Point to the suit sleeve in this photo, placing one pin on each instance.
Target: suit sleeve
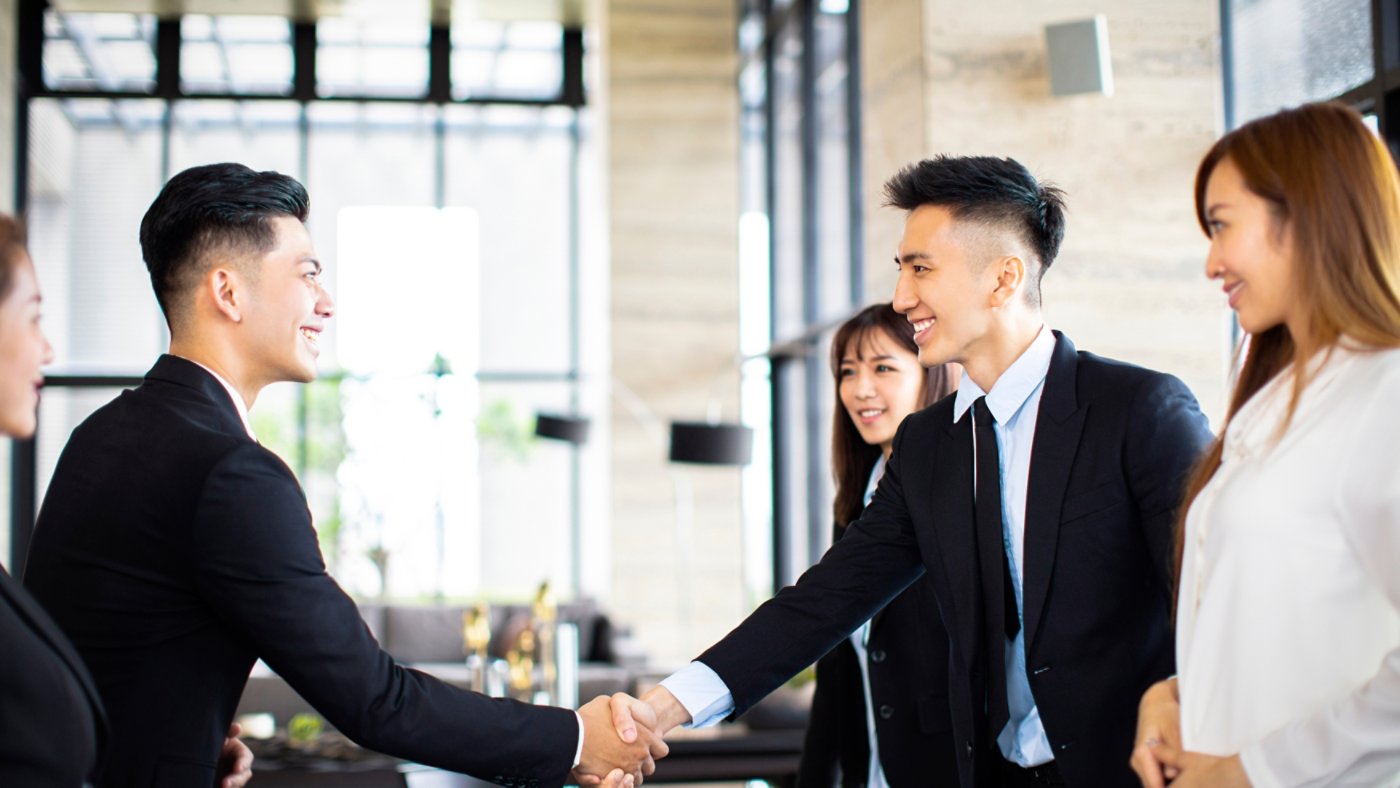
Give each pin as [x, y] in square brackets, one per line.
[876, 559]
[1166, 436]
[258, 565]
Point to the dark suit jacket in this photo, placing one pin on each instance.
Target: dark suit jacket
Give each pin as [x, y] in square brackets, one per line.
[907, 654]
[51, 722]
[175, 551]
[1113, 446]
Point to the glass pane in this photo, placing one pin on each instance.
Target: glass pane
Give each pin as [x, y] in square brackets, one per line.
[391, 146]
[100, 51]
[95, 166]
[235, 54]
[509, 60]
[261, 134]
[1287, 52]
[357, 57]
[789, 288]
[833, 182]
[511, 166]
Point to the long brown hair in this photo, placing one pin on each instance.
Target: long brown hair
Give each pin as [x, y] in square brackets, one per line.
[852, 458]
[1333, 185]
[12, 250]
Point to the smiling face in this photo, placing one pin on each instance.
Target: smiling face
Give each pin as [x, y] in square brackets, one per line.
[1250, 253]
[286, 309]
[879, 384]
[23, 351]
[944, 286]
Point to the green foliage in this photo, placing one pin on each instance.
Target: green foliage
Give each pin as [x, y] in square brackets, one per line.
[510, 433]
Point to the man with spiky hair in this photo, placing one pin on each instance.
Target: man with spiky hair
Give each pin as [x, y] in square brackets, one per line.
[1040, 499]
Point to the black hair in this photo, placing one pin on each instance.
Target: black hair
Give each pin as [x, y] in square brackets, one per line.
[987, 190]
[210, 207]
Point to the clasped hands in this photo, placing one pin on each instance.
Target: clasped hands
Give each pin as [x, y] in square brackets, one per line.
[622, 737]
[1158, 757]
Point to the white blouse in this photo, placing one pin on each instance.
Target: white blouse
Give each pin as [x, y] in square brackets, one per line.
[1288, 621]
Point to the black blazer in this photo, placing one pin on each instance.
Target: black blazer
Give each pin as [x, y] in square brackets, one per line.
[52, 725]
[907, 654]
[1114, 444]
[175, 551]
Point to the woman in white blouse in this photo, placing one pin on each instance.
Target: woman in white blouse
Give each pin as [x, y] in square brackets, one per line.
[1288, 605]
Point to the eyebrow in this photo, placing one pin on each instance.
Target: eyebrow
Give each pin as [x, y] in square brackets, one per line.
[911, 257]
[313, 261]
[849, 360]
[1210, 210]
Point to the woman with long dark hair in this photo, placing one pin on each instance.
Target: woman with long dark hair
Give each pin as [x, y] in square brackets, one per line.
[880, 714]
[1288, 602]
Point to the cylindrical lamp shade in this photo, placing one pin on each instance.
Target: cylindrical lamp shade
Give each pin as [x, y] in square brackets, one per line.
[711, 444]
[573, 429]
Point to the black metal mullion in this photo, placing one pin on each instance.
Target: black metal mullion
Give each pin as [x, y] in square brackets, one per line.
[571, 92]
[783, 571]
[817, 524]
[855, 168]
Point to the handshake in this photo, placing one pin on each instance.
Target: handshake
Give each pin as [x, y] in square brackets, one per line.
[622, 737]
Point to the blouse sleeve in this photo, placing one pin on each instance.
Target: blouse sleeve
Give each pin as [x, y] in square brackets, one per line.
[1356, 739]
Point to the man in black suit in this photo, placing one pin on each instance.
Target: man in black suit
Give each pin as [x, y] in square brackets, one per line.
[175, 550]
[1048, 535]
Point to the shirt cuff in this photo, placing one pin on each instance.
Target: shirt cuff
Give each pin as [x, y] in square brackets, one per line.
[578, 753]
[702, 692]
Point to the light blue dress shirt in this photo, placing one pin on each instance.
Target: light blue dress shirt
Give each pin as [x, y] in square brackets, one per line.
[1014, 402]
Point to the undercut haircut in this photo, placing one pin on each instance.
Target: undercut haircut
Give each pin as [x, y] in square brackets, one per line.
[990, 192]
[209, 209]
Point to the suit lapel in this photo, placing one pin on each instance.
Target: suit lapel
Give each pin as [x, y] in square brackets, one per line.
[953, 527]
[26, 608]
[1057, 431]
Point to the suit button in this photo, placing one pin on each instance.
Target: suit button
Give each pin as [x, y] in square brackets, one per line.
[969, 749]
[886, 712]
[878, 655]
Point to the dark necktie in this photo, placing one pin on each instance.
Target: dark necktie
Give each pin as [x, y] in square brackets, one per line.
[989, 517]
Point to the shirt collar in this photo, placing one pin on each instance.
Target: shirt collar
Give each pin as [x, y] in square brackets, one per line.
[233, 395]
[1014, 386]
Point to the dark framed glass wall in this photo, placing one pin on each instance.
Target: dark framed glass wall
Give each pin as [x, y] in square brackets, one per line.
[468, 132]
[805, 53]
[1280, 53]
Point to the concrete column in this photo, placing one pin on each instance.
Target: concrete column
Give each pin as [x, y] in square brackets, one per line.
[670, 120]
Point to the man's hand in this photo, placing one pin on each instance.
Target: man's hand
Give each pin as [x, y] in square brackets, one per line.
[605, 750]
[235, 760]
[665, 712]
[1196, 770]
[1159, 722]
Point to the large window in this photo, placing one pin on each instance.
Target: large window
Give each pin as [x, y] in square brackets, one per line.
[445, 166]
[800, 88]
[1280, 53]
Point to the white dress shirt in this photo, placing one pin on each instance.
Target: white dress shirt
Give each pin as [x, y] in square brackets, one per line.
[1288, 619]
[1015, 404]
[1014, 401]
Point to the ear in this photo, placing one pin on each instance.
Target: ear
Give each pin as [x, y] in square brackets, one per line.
[225, 290]
[1010, 273]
